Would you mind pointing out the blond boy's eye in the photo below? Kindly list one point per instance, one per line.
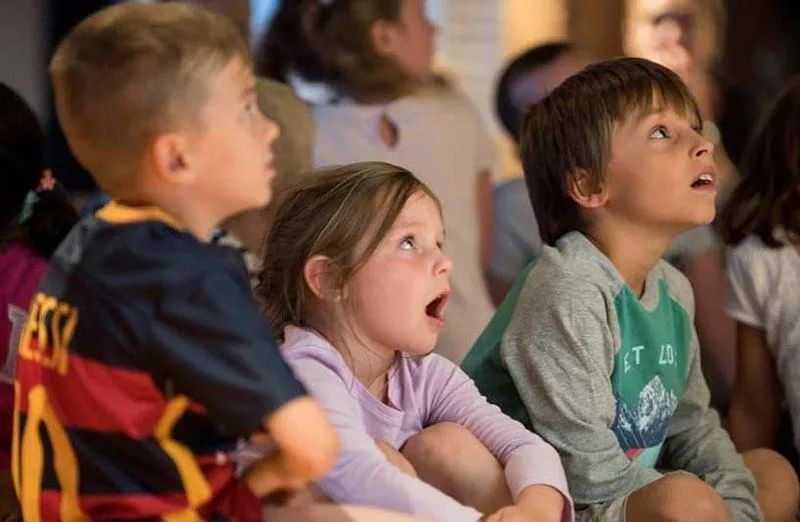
(659, 133)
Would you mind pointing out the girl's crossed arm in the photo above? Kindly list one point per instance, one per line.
(533, 468)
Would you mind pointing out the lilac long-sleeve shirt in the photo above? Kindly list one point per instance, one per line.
(422, 392)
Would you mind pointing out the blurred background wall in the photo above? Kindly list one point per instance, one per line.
(761, 51)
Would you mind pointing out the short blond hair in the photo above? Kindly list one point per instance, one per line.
(132, 71)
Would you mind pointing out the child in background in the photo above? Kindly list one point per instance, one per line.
(144, 357)
(366, 67)
(35, 215)
(355, 279)
(525, 80)
(761, 223)
(595, 346)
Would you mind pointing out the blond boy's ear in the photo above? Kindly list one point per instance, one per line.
(168, 155)
(321, 280)
(585, 192)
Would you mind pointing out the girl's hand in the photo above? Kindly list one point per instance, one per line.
(519, 514)
(508, 514)
(537, 503)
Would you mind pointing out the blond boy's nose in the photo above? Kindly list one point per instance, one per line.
(271, 130)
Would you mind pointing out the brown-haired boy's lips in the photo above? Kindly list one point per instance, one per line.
(706, 179)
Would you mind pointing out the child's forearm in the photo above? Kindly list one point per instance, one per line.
(276, 473)
(750, 428)
(269, 476)
(307, 448)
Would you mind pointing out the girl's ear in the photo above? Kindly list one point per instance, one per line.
(320, 280)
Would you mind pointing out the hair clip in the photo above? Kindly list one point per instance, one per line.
(47, 182)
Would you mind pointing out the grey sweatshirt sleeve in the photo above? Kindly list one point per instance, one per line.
(559, 350)
(697, 443)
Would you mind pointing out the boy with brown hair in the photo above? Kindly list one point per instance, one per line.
(144, 357)
(595, 347)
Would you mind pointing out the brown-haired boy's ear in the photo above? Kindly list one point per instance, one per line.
(169, 160)
(320, 279)
(583, 190)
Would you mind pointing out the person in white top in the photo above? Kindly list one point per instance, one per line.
(762, 226)
(365, 65)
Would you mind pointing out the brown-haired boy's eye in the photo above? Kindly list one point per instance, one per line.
(659, 133)
(408, 243)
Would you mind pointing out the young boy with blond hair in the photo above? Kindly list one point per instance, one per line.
(595, 347)
(144, 357)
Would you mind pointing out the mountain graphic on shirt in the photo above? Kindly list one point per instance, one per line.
(644, 425)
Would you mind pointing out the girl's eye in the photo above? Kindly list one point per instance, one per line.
(408, 243)
(660, 133)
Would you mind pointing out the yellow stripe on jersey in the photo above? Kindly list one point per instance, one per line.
(16, 456)
(31, 483)
(66, 466)
(195, 485)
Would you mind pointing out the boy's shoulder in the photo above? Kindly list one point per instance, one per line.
(575, 273)
(679, 289)
(142, 258)
(571, 268)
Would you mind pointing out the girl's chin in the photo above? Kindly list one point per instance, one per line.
(419, 351)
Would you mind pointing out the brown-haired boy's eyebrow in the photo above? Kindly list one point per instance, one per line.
(646, 115)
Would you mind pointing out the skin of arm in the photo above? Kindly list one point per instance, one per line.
(715, 330)
(498, 287)
(538, 503)
(486, 218)
(755, 408)
(307, 448)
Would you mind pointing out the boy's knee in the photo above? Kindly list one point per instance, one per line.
(679, 497)
(770, 468)
(777, 482)
(396, 458)
(440, 441)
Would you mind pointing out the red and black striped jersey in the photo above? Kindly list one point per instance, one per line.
(143, 359)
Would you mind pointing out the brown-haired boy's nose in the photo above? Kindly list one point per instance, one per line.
(702, 146)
